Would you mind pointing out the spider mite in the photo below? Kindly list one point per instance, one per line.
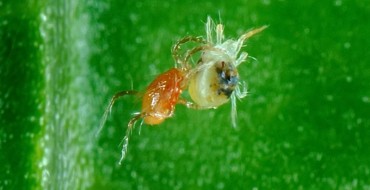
(211, 81)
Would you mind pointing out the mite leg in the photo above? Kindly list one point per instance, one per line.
(109, 107)
(209, 29)
(192, 52)
(192, 105)
(197, 49)
(233, 110)
(200, 65)
(248, 35)
(126, 139)
(177, 47)
(219, 31)
(243, 56)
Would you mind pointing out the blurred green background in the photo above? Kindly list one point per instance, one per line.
(304, 125)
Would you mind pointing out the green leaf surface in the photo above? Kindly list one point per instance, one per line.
(304, 125)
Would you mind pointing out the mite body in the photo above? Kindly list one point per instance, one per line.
(161, 96)
(158, 102)
(211, 81)
(213, 85)
(215, 78)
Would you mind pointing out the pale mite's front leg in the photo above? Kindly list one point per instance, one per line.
(193, 105)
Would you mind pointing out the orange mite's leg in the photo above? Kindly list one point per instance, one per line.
(193, 51)
(109, 108)
(200, 65)
(130, 123)
(177, 46)
(125, 140)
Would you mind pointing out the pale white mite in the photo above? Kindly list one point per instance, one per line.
(215, 79)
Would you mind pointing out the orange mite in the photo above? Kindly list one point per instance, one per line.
(161, 96)
(158, 102)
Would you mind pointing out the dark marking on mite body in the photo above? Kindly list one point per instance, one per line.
(228, 78)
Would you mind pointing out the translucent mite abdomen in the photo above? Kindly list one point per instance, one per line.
(213, 86)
